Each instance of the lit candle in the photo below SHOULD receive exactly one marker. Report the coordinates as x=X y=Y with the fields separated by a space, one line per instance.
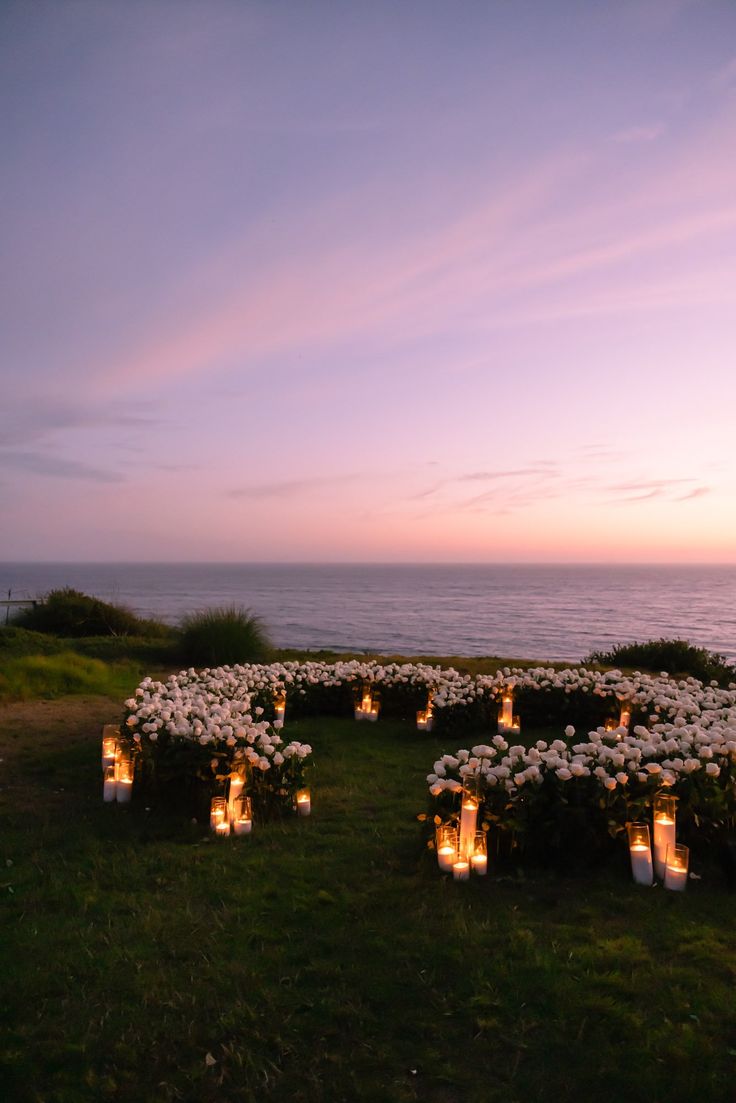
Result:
x=664 y=837
x=446 y=857
x=123 y=779
x=123 y=789
x=373 y=715
x=461 y=870
x=640 y=853
x=280 y=710
x=242 y=815
x=664 y=829
x=242 y=827
x=675 y=870
x=109 y=785
x=506 y=717
x=303 y=802
x=479 y=857
x=236 y=787
x=468 y=820
x=479 y=863
x=109 y=749
x=218 y=813
x=222 y=829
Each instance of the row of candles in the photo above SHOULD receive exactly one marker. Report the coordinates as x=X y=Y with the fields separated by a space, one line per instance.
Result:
x=668 y=859
x=368 y=709
x=234 y=813
x=117 y=768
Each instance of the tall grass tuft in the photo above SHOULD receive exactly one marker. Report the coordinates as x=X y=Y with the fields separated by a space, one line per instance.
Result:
x=227 y=634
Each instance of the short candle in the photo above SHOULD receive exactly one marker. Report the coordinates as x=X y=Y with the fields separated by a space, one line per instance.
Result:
x=446 y=858
x=243 y=827
x=461 y=870
x=303 y=803
x=479 y=863
x=123 y=789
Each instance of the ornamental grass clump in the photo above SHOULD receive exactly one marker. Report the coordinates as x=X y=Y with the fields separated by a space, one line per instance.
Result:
x=223 y=635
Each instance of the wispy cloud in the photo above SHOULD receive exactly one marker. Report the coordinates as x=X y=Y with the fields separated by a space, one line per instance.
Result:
x=56 y=467
x=290 y=488
x=635 y=135
x=698 y=492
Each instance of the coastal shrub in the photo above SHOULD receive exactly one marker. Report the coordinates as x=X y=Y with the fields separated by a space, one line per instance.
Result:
x=71 y=613
x=675 y=656
x=225 y=634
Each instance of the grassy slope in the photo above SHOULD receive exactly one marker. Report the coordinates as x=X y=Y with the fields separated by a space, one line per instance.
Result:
x=328 y=959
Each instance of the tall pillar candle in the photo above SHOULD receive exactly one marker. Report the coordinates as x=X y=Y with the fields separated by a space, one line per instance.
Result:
x=664 y=830
x=468 y=821
x=640 y=853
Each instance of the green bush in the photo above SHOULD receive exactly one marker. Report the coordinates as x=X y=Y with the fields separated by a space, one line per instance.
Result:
x=228 y=634
x=675 y=656
x=70 y=613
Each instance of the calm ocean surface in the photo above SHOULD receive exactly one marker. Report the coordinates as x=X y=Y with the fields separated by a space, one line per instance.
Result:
x=539 y=612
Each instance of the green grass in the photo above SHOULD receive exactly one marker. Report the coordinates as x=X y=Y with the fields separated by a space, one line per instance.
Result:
x=327 y=959
x=32 y=676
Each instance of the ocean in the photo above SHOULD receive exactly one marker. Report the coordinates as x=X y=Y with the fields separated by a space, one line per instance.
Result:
x=528 y=611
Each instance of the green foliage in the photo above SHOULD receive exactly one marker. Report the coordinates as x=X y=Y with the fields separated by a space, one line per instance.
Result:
x=31 y=676
x=70 y=613
x=155 y=653
x=16 y=642
x=229 y=634
x=677 y=657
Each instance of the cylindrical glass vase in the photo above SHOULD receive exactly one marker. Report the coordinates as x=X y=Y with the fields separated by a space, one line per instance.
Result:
x=640 y=852
x=446 y=843
x=676 y=867
x=664 y=816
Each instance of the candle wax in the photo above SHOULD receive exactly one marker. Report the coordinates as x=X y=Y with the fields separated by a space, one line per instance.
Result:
x=479 y=863
x=446 y=858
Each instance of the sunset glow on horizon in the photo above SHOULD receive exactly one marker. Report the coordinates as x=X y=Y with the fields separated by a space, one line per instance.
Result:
x=369 y=283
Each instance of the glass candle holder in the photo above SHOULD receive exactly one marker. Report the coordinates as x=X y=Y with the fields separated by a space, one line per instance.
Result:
x=640 y=852
x=109 y=745
x=218 y=814
x=676 y=866
x=446 y=843
x=123 y=777
x=109 y=785
x=479 y=857
x=624 y=719
x=279 y=709
x=468 y=822
x=303 y=802
x=243 y=816
x=461 y=870
x=664 y=814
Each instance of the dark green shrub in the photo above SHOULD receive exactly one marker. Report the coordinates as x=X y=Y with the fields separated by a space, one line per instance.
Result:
x=677 y=657
x=70 y=613
x=224 y=635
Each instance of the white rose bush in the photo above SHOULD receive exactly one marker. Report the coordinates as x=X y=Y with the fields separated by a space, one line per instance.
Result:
x=580 y=785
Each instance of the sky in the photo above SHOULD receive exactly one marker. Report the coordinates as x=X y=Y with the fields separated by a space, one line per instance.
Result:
x=370 y=282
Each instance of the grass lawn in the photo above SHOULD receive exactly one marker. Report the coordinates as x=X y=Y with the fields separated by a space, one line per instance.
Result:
x=328 y=959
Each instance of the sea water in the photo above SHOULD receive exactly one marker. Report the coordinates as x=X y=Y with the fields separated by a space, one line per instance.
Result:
x=524 y=611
